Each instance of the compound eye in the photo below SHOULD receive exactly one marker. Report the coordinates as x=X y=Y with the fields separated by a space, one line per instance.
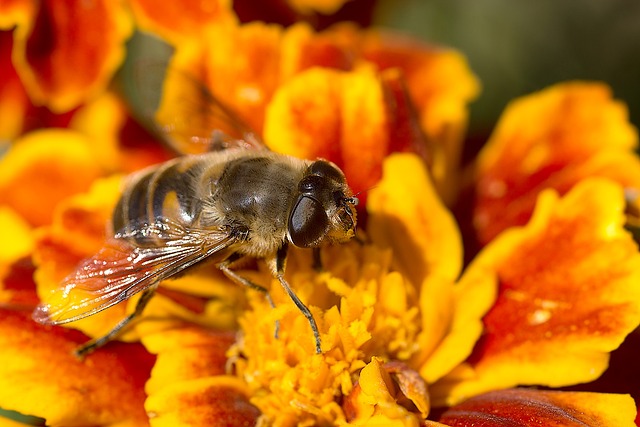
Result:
x=308 y=223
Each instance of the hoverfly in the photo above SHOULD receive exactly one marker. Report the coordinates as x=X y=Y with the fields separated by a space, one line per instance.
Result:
x=236 y=199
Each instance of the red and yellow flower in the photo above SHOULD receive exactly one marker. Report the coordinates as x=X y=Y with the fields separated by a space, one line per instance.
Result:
x=405 y=326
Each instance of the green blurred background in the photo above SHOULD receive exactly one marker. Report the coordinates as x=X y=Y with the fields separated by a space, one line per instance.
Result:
x=517 y=47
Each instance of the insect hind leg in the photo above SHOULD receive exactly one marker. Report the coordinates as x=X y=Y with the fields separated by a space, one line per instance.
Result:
x=100 y=341
x=224 y=267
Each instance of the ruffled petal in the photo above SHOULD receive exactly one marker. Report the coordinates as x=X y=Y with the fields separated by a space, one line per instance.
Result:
x=176 y=22
x=52 y=164
x=534 y=408
x=551 y=139
x=41 y=377
x=387 y=394
x=68 y=51
x=406 y=214
x=569 y=286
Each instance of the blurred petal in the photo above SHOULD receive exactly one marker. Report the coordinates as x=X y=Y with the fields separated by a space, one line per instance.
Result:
x=18 y=242
x=552 y=139
x=69 y=50
x=41 y=377
x=106 y=121
x=43 y=168
x=534 y=408
x=17 y=232
x=13 y=12
x=178 y=21
x=326 y=7
x=13 y=98
x=569 y=294
x=225 y=65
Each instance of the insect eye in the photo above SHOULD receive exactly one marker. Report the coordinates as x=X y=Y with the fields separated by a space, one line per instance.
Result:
x=310 y=184
x=308 y=222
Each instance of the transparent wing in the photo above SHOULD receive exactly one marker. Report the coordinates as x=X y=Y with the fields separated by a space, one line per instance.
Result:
x=122 y=269
x=191 y=119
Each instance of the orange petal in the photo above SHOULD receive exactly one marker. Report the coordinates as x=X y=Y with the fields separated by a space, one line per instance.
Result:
x=441 y=85
x=43 y=168
x=203 y=402
x=41 y=377
x=224 y=59
x=569 y=291
x=177 y=21
x=70 y=50
x=320 y=113
x=13 y=98
x=15 y=230
x=13 y=12
x=551 y=139
x=535 y=408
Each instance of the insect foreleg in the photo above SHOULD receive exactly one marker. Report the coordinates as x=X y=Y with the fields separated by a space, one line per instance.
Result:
x=99 y=342
x=317 y=259
x=224 y=267
x=281 y=257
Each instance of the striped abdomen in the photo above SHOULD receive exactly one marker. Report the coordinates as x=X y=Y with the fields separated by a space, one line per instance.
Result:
x=166 y=192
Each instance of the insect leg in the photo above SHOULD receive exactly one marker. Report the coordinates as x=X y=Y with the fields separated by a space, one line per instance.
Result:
x=317 y=259
x=281 y=257
x=99 y=342
x=224 y=267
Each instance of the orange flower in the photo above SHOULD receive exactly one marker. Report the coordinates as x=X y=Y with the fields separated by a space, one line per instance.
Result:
x=404 y=326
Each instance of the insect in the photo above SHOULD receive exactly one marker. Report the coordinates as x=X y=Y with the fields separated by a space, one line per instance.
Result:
x=235 y=200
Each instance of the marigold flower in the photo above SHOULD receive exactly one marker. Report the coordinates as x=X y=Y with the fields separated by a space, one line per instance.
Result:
x=404 y=325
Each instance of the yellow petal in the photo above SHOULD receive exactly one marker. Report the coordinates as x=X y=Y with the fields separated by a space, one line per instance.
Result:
x=406 y=214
